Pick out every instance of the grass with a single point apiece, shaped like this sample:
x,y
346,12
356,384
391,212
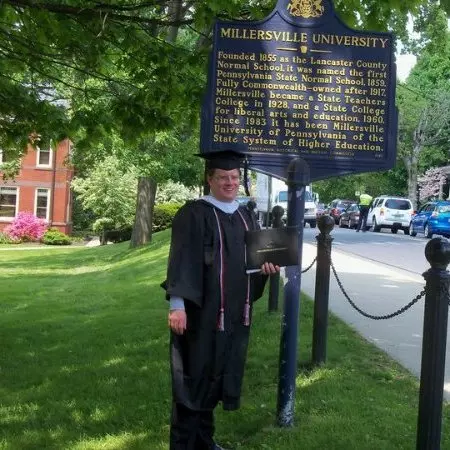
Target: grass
x,y
84,365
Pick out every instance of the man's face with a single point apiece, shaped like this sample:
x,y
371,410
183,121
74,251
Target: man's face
x,y
224,184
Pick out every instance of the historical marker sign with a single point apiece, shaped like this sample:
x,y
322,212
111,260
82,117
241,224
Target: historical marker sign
x,y
300,83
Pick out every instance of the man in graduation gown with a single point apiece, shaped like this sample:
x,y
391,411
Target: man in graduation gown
x,y
211,298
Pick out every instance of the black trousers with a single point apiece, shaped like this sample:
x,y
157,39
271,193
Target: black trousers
x,y
363,213
191,430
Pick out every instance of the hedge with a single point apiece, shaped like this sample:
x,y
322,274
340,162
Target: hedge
x,y
163,215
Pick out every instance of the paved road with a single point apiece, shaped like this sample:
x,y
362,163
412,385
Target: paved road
x,y
379,286
398,250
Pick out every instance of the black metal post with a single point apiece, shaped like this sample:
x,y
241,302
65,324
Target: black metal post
x,y
322,291
437,252
298,178
251,206
274,280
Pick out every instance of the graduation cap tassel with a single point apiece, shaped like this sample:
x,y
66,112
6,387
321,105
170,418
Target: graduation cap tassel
x,y
247,192
221,324
247,314
247,298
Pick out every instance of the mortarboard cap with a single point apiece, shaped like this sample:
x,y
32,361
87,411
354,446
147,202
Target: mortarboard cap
x,y
226,160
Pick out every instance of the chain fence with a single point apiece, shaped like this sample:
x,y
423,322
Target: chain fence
x,y
309,267
365,314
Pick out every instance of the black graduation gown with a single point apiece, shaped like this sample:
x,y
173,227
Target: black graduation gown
x,y
207,365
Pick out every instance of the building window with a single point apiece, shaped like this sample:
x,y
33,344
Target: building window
x,y
44,157
42,202
9,200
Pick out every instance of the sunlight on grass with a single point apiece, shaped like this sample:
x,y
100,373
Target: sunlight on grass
x,y
114,362
317,375
111,442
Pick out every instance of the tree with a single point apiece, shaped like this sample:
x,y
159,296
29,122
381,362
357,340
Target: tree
x,y
377,183
424,103
160,157
174,192
431,183
432,129
109,191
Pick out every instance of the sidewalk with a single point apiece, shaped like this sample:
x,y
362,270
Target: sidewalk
x,y
379,290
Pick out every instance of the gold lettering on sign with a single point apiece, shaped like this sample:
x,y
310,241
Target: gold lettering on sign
x,y
282,103
306,8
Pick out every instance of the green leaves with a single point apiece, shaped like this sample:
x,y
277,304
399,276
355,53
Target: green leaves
x,y
109,191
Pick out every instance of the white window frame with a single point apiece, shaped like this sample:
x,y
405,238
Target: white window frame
x,y
38,154
8,219
47,213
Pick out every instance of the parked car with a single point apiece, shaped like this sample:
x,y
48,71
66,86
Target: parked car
x,y
390,212
432,218
350,217
320,210
336,207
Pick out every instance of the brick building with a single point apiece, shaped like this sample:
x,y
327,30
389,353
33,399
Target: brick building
x,y
42,187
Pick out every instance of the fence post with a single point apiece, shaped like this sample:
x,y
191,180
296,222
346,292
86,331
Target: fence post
x,y
434,340
322,291
274,280
251,206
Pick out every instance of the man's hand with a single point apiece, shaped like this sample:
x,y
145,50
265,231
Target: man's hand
x,y
177,320
269,269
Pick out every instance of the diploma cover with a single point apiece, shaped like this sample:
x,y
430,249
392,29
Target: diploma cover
x,y
275,245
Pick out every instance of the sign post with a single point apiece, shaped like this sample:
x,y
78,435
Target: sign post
x,y
298,179
296,90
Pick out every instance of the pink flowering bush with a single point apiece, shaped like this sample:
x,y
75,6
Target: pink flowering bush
x,y
26,227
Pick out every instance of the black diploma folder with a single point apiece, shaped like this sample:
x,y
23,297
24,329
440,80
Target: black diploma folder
x,y
275,245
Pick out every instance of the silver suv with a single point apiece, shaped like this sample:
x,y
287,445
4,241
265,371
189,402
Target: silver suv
x,y
390,212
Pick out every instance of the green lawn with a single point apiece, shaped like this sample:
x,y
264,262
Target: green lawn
x,y
84,364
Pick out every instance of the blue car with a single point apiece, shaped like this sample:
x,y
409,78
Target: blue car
x,y
432,218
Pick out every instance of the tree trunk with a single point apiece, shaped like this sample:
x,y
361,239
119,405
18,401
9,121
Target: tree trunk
x,y
175,13
142,229
411,165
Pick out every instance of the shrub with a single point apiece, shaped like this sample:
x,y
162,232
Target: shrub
x,y
55,237
163,215
173,192
101,226
120,235
26,227
5,239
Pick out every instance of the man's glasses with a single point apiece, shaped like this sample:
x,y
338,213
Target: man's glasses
x,y
225,178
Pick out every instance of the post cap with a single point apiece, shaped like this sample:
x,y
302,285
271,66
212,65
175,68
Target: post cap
x,y
437,252
325,224
298,172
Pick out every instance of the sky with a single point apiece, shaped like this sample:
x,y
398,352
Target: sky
x,y
404,64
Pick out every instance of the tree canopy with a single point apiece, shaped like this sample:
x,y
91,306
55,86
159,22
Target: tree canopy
x,y
83,68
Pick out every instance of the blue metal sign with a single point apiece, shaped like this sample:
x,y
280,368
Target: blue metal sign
x,y
300,83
